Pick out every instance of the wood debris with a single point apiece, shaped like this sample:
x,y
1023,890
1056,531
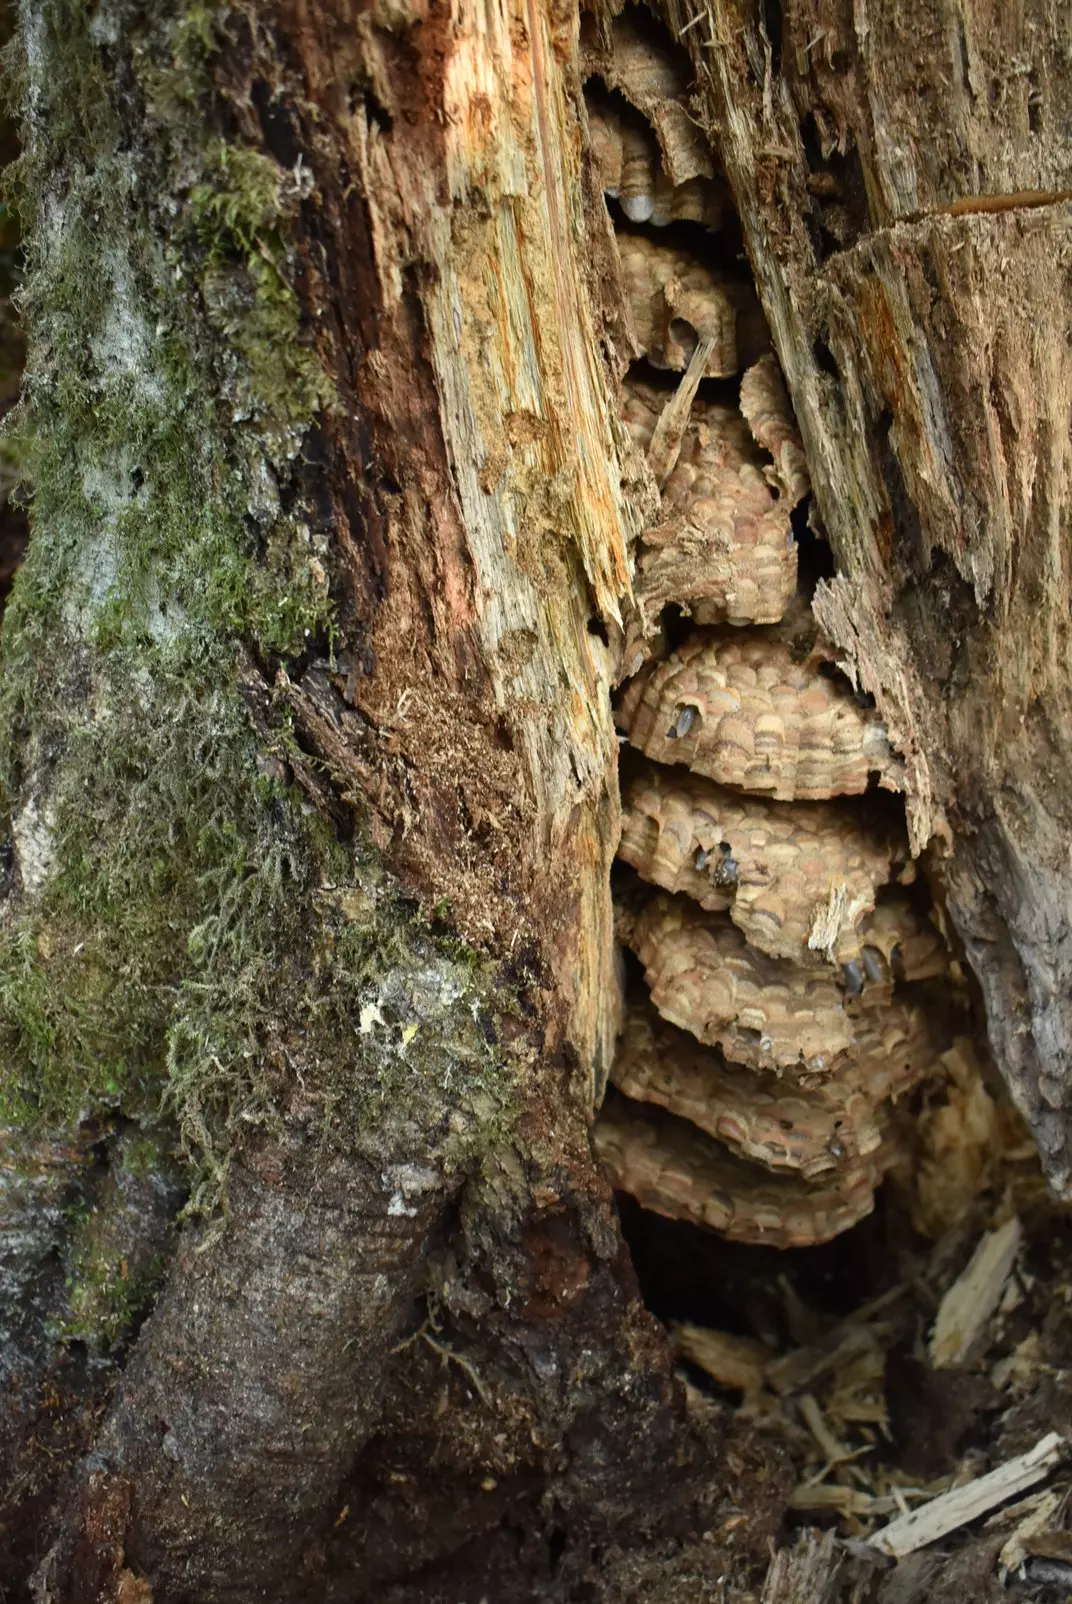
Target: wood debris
x,y
805,1573
969,1303
954,1509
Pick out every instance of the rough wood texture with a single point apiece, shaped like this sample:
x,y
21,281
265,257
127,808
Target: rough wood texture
x,y
673,1168
913,246
747,712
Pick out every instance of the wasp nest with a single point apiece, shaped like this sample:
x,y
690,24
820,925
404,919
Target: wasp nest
x,y
675,301
674,1169
810,1130
650,80
744,712
724,549
631,172
761,1011
756,1087
798,879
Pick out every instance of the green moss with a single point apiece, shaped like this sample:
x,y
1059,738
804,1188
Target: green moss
x,y
105,1293
187,930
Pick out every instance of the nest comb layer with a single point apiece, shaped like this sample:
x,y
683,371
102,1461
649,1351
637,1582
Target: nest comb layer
x,y
900,943
674,301
678,1171
746,712
812,1131
723,549
778,867
893,1050
763,1012
630,167
653,82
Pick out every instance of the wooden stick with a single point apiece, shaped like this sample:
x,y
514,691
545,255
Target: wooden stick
x,y
665,447
954,1509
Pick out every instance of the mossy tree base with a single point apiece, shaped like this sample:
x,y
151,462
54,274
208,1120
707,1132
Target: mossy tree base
x,y
309,770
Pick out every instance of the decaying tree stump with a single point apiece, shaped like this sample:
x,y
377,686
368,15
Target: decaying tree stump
x,y
310,1283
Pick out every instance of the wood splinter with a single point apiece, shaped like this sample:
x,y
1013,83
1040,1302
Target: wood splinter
x,y
957,1508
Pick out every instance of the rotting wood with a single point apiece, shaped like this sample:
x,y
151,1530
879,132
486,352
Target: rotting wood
x,y
805,1573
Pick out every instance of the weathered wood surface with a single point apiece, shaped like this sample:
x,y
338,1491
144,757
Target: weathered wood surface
x,y
903,184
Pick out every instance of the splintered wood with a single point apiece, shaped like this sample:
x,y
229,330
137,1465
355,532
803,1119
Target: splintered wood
x,y
756,1095
963,1504
971,1300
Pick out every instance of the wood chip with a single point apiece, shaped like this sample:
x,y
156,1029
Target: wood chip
x,y
952,1510
1041,1515
829,1498
731,1361
974,1296
803,1574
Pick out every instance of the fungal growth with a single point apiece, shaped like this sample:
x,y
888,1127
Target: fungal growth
x,y
784,952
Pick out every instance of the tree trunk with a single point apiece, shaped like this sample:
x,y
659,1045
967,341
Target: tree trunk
x,y
311,1283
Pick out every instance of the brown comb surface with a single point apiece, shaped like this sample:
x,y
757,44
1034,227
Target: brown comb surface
x,y
779,867
907,943
724,548
651,80
670,1166
763,1012
675,301
745,712
810,1130
627,156
893,1050
766,406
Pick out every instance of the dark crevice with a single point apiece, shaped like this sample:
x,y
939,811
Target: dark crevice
x,y
839,214
773,24
689,1274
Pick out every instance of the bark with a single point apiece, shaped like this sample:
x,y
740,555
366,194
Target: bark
x,y
313,806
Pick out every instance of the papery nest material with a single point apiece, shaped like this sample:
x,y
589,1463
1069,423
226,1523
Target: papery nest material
x,y
626,154
674,301
723,549
763,1012
676,1170
814,1131
746,712
776,866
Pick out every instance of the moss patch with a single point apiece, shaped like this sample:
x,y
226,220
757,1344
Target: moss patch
x,y
182,930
